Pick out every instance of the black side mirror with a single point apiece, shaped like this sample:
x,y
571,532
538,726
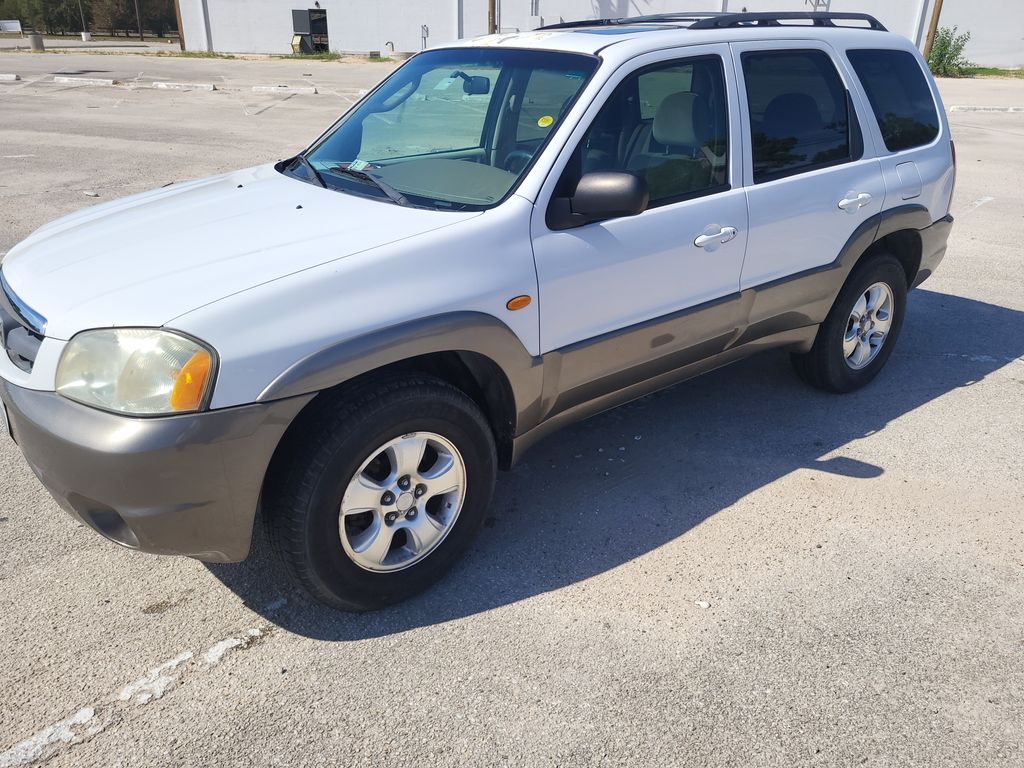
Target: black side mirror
x,y
600,195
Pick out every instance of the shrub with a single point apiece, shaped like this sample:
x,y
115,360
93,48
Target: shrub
x,y
946,58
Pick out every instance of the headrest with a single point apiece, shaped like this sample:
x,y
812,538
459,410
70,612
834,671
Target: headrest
x,y
683,119
791,114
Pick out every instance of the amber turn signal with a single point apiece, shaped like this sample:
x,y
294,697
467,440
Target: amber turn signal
x,y
190,385
518,303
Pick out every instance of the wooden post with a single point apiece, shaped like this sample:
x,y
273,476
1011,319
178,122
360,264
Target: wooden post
x,y
492,17
138,18
181,32
936,11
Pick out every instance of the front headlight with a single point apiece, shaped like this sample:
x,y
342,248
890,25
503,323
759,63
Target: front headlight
x,y
137,371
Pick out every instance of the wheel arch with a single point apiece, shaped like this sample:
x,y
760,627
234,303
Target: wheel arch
x,y
897,232
473,351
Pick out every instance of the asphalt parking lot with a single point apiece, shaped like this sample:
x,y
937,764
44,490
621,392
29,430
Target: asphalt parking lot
x,y
739,571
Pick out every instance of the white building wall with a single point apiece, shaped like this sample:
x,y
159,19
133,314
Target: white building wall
x,y
265,26
997,30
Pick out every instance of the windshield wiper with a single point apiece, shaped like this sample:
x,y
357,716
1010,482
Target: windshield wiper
x,y
301,160
392,193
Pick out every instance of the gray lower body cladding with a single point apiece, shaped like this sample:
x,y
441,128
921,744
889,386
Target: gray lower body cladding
x,y
182,485
601,373
933,247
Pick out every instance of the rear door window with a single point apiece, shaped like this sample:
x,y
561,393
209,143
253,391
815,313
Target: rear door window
x,y
800,116
899,96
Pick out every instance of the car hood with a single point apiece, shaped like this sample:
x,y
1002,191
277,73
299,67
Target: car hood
x,y
147,259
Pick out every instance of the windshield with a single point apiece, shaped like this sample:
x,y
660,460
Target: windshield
x,y
453,129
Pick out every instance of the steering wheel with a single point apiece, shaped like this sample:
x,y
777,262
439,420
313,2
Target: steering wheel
x,y
516,160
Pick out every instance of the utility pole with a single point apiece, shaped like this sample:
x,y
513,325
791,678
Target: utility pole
x,y
82,14
138,18
492,17
177,16
936,11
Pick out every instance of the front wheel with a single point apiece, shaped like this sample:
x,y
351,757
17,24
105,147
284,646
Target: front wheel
x,y
381,490
857,337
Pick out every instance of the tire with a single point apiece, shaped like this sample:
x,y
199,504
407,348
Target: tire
x,y
324,463
827,365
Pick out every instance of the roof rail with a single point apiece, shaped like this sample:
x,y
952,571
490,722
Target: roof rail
x,y
773,19
708,20
582,23
660,17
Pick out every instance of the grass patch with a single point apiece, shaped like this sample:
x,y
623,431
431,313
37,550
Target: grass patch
x,y
993,72
379,59
191,54
322,56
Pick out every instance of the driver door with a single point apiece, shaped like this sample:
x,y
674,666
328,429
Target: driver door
x,y
626,299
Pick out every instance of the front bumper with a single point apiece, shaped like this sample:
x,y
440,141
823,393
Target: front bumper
x,y
178,485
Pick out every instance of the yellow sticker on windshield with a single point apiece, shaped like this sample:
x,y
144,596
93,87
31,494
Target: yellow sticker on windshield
x,y
545,121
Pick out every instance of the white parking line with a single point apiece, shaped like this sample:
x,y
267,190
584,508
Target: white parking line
x,y
156,682
89,721
289,89
69,731
980,202
218,650
971,108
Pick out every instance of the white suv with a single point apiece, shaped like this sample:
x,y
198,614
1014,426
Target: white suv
x,y
506,235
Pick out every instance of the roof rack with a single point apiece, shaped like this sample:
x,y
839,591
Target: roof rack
x,y
819,19
729,20
660,17
582,23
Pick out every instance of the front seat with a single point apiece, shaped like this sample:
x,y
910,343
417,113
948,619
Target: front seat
x,y
670,153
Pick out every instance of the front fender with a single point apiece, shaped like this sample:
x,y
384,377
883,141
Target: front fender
x,y
475,332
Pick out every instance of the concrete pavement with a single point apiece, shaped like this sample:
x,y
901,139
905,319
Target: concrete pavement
x,y
141,70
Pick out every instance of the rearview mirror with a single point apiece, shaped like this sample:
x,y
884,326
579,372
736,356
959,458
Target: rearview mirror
x,y
600,195
476,85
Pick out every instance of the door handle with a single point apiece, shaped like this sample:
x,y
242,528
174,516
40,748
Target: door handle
x,y
711,240
854,202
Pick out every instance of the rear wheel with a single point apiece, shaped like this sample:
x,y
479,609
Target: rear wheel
x,y
381,490
857,337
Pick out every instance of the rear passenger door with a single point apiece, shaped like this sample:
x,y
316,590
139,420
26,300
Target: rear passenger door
x,y
913,142
811,180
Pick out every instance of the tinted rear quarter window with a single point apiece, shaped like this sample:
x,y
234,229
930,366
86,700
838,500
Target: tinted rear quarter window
x,y
799,115
899,96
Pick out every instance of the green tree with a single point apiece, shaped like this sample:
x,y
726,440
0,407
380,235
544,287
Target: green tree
x,y
158,16
112,15
32,14
51,16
